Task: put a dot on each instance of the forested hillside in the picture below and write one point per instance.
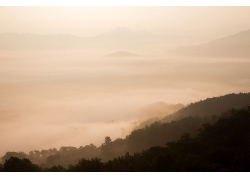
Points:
(207, 107)
(221, 146)
(187, 120)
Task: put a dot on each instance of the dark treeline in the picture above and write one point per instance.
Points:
(64, 156)
(157, 134)
(207, 107)
(186, 120)
(220, 146)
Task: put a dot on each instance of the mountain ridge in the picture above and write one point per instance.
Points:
(232, 46)
(116, 39)
(121, 54)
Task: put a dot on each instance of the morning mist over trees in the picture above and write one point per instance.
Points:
(124, 89)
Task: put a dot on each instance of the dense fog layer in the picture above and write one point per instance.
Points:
(54, 98)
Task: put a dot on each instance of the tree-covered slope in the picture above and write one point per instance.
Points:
(221, 146)
(170, 128)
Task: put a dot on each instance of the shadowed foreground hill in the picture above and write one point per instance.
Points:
(186, 120)
(234, 46)
(222, 146)
(211, 106)
(207, 107)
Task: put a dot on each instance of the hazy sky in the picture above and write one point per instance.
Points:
(90, 21)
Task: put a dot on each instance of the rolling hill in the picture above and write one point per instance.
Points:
(234, 46)
(162, 133)
(207, 107)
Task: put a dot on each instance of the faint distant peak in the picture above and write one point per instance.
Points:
(121, 30)
(163, 104)
(121, 54)
(28, 33)
(117, 32)
(125, 32)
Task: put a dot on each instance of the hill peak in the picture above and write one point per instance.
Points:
(121, 29)
(121, 54)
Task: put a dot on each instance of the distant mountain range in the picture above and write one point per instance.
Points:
(234, 46)
(121, 54)
(14, 41)
(119, 38)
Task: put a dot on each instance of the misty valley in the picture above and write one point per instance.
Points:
(208, 135)
(172, 96)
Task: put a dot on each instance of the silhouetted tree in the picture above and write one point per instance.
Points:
(52, 159)
(188, 144)
(1, 167)
(55, 169)
(84, 165)
(20, 155)
(14, 164)
(107, 140)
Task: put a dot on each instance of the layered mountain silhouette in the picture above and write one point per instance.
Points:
(234, 46)
(15, 41)
(119, 38)
(121, 54)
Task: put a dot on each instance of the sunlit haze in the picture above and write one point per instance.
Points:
(70, 76)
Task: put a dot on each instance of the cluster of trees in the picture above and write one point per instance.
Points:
(211, 106)
(187, 120)
(64, 156)
(157, 134)
(203, 108)
(220, 146)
